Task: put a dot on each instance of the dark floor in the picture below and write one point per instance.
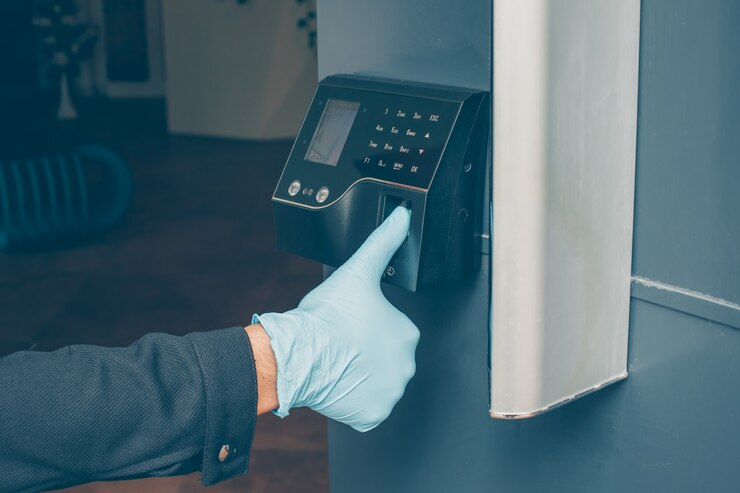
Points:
(195, 252)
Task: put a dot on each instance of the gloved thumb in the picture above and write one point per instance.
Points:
(373, 256)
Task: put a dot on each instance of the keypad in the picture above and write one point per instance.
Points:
(403, 139)
(394, 138)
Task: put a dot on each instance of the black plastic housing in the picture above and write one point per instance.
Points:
(433, 164)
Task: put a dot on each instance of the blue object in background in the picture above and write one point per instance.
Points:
(63, 198)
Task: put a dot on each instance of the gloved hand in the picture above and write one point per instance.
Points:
(346, 352)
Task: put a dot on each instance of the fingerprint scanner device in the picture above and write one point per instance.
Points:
(370, 145)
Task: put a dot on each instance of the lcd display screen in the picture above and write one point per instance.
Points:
(332, 132)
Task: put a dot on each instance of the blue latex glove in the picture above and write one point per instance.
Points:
(346, 352)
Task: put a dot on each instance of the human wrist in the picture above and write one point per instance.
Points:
(290, 344)
(266, 368)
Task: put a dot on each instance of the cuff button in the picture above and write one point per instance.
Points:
(226, 453)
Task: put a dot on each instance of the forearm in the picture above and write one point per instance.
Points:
(266, 368)
(165, 405)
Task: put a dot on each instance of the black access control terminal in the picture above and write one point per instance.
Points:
(369, 145)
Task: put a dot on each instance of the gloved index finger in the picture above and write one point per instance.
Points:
(373, 256)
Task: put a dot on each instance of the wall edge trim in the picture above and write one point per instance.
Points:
(687, 301)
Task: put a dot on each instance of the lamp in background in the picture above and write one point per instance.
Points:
(64, 40)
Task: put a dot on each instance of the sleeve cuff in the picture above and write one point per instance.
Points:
(230, 382)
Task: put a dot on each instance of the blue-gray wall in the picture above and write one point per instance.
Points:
(674, 425)
(687, 206)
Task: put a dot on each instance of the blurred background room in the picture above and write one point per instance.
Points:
(140, 143)
(597, 236)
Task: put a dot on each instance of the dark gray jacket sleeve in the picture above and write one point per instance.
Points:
(163, 406)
